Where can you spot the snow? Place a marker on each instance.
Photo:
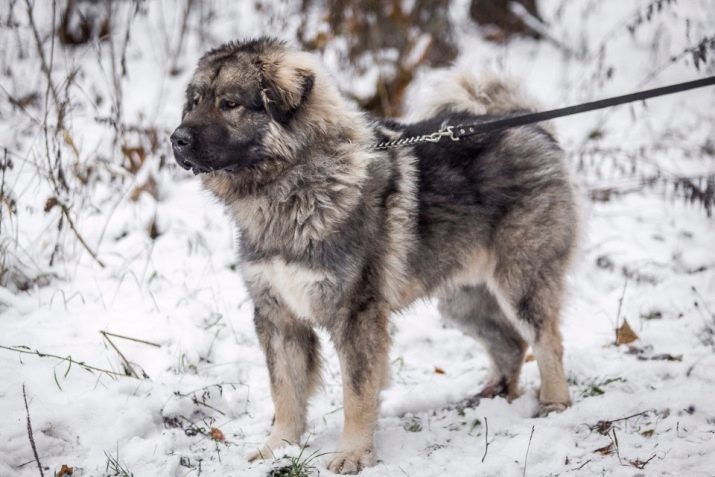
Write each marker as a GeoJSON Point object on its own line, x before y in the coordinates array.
{"type": "Point", "coordinates": [645, 251]}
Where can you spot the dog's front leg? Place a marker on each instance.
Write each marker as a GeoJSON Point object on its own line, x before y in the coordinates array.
{"type": "Point", "coordinates": [292, 352]}
{"type": "Point", "coordinates": [362, 340]}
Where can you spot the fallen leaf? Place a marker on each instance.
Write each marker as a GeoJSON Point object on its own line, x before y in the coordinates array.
{"type": "Point", "coordinates": [217, 435]}
{"type": "Point", "coordinates": [65, 470]}
{"type": "Point", "coordinates": [439, 370]}
{"type": "Point", "coordinates": [605, 450]}
{"type": "Point", "coordinates": [625, 334]}
{"type": "Point", "coordinates": [648, 433]}
{"type": "Point", "coordinates": [529, 357]}
{"type": "Point", "coordinates": [50, 203]}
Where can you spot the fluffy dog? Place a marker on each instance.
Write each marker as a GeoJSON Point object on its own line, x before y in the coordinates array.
{"type": "Point", "coordinates": [338, 235]}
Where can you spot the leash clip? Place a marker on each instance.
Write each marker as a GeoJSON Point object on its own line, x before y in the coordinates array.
{"type": "Point", "coordinates": [445, 131]}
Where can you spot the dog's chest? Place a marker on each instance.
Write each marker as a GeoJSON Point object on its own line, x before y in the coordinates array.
{"type": "Point", "coordinates": [297, 286]}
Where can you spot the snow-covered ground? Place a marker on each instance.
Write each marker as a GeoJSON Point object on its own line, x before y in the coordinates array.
{"type": "Point", "coordinates": [647, 256]}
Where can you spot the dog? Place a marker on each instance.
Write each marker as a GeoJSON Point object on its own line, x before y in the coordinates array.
{"type": "Point", "coordinates": [337, 234]}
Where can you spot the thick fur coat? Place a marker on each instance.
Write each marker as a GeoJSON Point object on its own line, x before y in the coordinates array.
{"type": "Point", "coordinates": [338, 235]}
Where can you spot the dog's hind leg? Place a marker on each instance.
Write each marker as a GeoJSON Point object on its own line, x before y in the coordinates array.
{"type": "Point", "coordinates": [532, 298]}
{"type": "Point", "coordinates": [475, 311]}
{"type": "Point", "coordinates": [292, 352]}
{"type": "Point", "coordinates": [362, 340]}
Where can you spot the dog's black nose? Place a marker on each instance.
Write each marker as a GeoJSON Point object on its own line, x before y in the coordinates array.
{"type": "Point", "coordinates": [182, 138]}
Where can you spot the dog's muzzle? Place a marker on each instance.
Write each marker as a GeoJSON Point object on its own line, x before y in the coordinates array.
{"type": "Point", "coordinates": [182, 142]}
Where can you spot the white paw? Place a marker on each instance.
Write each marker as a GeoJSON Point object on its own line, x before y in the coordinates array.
{"type": "Point", "coordinates": [262, 453]}
{"type": "Point", "coordinates": [352, 461]}
{"type": "Point", "coordinates": [267, 451]}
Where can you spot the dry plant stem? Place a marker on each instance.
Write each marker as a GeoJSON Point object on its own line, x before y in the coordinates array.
{"type": "Point", "coordinates": [486, 438]}
{"type": "Point", "coordinates": [526, 456]}
{"type": "Point", "coordinates": [81, 364]}
{"type": "Point", "coordinates": [129, 366]}
{"type": "Point", "coordinates": [38, 43]}
{"type": "Point", "coordinates": [3, 166]}
{"type": "Point", "coordinates": [47, 70]}
{"type": "Point", "coordinates": [542, 29]}
{"type": "Point", "coordinates": [182, 34]}
{"type": "Point", "coordinates": [65, 211]}
{"type": "Point", "coordinates": [29, 433]}
{"type": "Point", "coordinates": [119, 69]}
{"type": "Point", "coordinates": [642, 413]}
{"type": "Point", "coordinates": [618, 450]}
{"type": "Point", "coordinates": [582, 465]}
{"type": "Point", "coordinates": [137, 340]}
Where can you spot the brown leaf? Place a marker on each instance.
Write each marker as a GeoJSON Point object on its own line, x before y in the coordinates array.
{"type": "Point", "coordinates": [439, 370]}
{"type": "Point", "coordinates": [648, 433]}
{"type": "Point", "coordinates": [605, 450]}
{"type": "Point", "coordinates": [65, 470]}
{"type": "Point", "coordinates": [51, 203]}
{"type": "Point", "coordinates": [529, 357]}
{"type": "Point", "coordinates": [217, 435]}
{"type": "Point", "coordinates": [625, 334]}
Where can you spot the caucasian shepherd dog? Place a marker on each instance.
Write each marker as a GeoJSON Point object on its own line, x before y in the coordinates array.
{"type": "Point", "coordinates": [338, 235]}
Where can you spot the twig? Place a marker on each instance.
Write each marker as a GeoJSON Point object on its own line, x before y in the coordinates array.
{"type": "Point", "coordinates": [51, 88]}
{"type": "Point", "coordinates": [182, 33]}
{"type": "Point", "coordinates": [695, 290]}
{"type": "Point", "coordinates": [642, 413]}
{"type": "Point", "coordinates": [29, 433]}
{"type": "Point", "coordinates": [137, 340]}
{"type": "Point", "coordinates": [4, 165]}
{"type": "Point", "coordinates": [582, 465]}
{"type": "Point", "coordinates": [128, 365]}
{"type": "Point", "coordinates": [538, 26]}
{"type": "Point", "coordinates": [43, 60]}
{"type": "Point", "coordinates": [81, 364]}
{"type": "Point", "coordinates": [486, 439]}
{"type": "Point", "coordinates": [526, 456]}
{"type": "Point", "coordinates": [65, 211]}
{"type": "Point", "coordinates": [640, 464]}
{"type": "Point", "coordinates": [618, 450]}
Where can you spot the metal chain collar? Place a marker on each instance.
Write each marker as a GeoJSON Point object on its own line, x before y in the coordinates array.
{"type": "Point", "coordinates": [409, 141]}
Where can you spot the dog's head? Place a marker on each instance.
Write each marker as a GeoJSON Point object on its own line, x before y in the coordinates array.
{"type": "Point", "coordinates": [241, 93]}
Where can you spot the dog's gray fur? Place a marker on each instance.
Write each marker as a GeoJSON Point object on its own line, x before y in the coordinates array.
{"type": "Point", "coordinates": [337, 235]}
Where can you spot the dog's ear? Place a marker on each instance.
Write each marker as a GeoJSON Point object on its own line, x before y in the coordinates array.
{"type": "Point", "coordinates": [284, 89]}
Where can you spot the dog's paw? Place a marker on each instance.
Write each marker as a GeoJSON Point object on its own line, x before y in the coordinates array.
{"type": "Point", "coordinates": [546, 408]}
{"type": "Point", "coordinates": [495, 387]}
{"type": "Point", "coordinates": [261, 453]}
{"type": "Point", "coordinates": [267, 451]}
{"type": "Point", "coordinates": [353, 461]}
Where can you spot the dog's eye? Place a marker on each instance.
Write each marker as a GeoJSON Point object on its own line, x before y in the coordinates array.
{"type": "Point", "coordinates": [227, 105]}
{"type": "Point", "coordinates": [195, 101]}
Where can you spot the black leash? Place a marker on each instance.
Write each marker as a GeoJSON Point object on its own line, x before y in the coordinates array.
{"type": "Point", "coordinates": [455, 133]}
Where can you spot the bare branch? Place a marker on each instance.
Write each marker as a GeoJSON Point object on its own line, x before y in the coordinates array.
{"type": "Point", "coordinates": [486, 439]}
{"type": "Point", "coordinates": [526, 456]}
{"type": "Point", "coordinates": [29, 433]}
{"type": "Point", "coordinates": [81, 364]}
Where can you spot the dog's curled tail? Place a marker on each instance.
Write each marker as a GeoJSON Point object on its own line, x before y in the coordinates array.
{"type": "Point", "coordinates": [462, 91]}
